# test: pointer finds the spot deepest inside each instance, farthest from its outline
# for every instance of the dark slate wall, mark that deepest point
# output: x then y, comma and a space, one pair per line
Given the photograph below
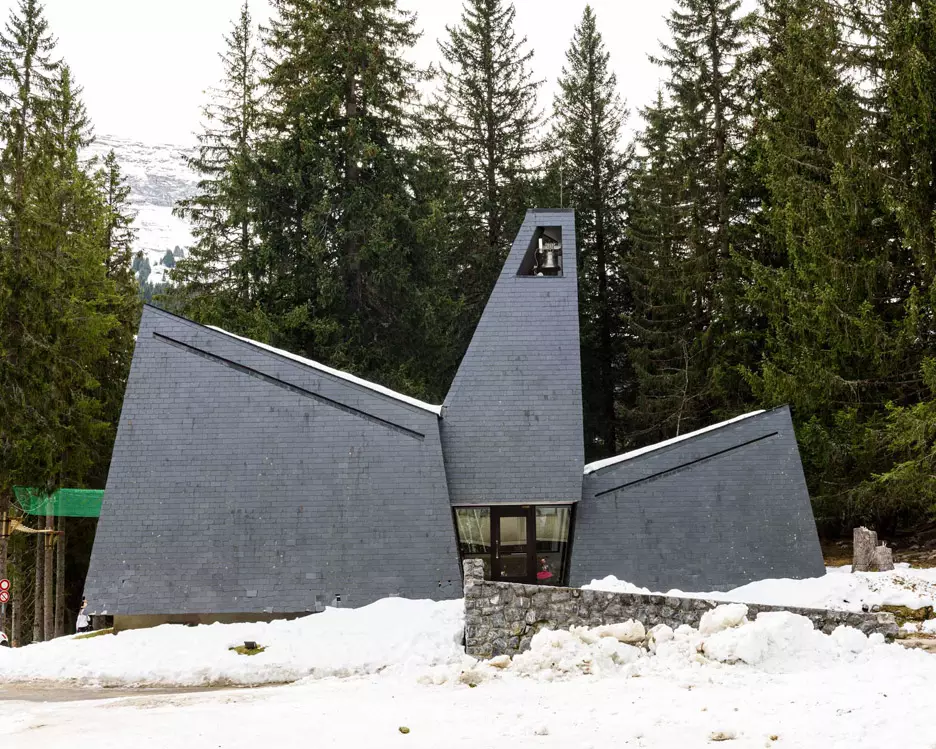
512, 421
724, 521
264, 485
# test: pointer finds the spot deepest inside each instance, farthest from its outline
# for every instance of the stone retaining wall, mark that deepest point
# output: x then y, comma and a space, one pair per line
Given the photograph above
501, 618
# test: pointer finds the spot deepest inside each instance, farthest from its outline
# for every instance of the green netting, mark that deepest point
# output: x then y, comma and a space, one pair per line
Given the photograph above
66, 503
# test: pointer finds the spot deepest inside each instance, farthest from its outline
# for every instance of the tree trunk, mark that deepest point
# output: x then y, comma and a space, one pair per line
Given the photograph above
60, 580
18, 609
608, 431
48, 609
4, 533
864, 543
37, 592
4, 549
16, 627
352, 177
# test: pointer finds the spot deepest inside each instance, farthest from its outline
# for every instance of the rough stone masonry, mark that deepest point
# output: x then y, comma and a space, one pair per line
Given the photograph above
501, 618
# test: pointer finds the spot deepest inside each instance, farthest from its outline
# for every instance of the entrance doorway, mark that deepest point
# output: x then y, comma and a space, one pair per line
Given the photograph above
514, 541
517, 543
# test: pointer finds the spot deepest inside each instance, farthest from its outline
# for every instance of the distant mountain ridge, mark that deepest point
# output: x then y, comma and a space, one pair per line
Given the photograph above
158, 177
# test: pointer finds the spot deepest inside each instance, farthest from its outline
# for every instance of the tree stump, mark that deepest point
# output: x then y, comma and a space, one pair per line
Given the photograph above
864, 542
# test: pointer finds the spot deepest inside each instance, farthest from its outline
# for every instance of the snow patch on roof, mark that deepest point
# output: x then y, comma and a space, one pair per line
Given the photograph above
598, 465
437, 410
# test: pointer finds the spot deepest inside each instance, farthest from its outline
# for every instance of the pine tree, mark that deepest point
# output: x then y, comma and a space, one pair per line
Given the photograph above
485, 119
27, 71
117, 236
58, 337
901, 67
844, 326
688, 310
588, 117
660, 274
119, 233
76, 321
220, 278
335, 191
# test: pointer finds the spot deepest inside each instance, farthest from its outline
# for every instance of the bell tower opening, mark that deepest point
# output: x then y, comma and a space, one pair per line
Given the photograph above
543, 258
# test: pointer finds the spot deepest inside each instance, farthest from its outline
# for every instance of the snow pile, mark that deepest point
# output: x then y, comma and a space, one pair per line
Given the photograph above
780, 642
422, 641
723, 617
393, 635
838, 589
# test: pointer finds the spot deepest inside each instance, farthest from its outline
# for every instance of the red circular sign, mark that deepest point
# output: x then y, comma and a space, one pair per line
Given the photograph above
4, 584
4, 596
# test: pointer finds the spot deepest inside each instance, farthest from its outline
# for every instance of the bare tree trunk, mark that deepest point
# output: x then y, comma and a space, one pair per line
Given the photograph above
49, 581
37, 592
60, 580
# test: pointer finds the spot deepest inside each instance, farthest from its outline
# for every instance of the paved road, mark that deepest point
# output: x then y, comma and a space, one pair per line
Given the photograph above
57, 693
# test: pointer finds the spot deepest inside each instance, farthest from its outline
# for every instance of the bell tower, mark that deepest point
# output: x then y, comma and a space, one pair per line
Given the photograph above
512, 421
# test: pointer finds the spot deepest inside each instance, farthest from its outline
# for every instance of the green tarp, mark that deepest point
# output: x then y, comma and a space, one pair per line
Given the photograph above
65, 503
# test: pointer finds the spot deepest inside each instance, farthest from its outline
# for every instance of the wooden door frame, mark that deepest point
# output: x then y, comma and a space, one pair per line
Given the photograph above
513, 511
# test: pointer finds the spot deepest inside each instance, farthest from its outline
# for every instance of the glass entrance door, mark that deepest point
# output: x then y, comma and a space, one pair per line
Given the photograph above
513, 531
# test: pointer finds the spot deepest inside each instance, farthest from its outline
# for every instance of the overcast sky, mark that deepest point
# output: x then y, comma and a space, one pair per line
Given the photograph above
145, 64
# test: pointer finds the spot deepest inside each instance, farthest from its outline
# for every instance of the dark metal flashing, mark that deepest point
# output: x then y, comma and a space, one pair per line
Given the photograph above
276, 382
686, 465
290, 360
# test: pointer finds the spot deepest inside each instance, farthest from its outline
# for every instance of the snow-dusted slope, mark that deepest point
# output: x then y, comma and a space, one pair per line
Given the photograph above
158, 177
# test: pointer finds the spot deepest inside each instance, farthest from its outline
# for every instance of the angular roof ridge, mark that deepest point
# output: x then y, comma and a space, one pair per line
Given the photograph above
437, 410
599, 464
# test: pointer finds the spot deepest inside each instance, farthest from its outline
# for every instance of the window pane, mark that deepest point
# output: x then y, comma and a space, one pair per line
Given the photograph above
474, 534
513, 546
513, 531
552, 544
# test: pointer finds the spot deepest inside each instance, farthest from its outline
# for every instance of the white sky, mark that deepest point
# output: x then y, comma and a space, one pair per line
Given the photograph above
145, 64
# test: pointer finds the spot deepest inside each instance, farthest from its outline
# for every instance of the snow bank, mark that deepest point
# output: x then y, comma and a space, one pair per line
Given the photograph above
779, 643
422, 641
394, 634
838, 589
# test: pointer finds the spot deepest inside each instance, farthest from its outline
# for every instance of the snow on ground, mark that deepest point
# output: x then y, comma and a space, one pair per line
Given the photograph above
838, 589
393, 634
771, 682
360, 675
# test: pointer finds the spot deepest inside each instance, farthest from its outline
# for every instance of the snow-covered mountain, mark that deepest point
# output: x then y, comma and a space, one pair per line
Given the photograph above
158, 177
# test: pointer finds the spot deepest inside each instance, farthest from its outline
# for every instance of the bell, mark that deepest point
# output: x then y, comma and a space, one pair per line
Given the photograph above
550, 265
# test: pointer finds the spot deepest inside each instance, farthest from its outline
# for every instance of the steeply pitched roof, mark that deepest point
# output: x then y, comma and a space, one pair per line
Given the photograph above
599, 464
336, 373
